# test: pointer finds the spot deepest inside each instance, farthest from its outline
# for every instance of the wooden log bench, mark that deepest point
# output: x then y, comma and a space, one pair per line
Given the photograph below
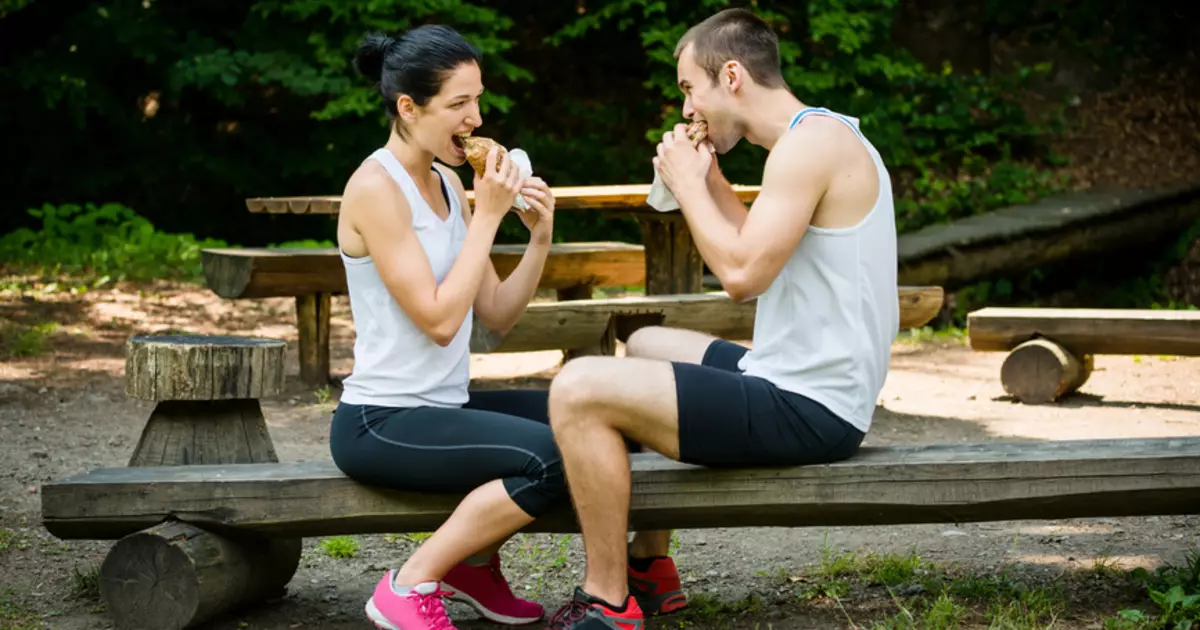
206, 519
1051, 349
313, 275
207, 526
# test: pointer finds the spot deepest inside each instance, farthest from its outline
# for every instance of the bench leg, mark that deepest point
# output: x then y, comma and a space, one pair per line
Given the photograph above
673, 264
1041, 371
175, 575
185, 432
312, 322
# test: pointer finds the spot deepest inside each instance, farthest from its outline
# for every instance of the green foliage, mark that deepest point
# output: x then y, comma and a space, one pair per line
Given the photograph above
1175, 590
340, 546
956, 144
101, 244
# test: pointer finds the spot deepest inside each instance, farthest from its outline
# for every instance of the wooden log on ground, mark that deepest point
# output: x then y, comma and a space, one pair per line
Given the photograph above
1084, 331
174, 576
949, 483
1040, 371
1050, 230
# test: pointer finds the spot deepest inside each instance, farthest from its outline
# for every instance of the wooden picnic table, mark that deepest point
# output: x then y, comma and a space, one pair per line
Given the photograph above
673, 264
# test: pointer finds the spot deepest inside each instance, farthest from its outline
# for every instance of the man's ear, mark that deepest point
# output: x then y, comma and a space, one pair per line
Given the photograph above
732, 75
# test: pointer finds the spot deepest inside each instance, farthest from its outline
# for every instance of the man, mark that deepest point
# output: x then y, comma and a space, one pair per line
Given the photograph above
817, 250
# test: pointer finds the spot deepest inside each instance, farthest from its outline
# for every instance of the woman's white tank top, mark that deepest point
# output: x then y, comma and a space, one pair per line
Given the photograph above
395, 364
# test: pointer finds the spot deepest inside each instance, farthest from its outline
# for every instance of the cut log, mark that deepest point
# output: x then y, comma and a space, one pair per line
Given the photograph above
203, 367
174, 576
1083, 331
1040, 371
950, 483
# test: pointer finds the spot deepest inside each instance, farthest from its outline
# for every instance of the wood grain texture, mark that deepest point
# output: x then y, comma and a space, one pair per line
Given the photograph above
564, 325
949, 483
1085, 331
203, 367
290, 272
1052, 229
312, 323
631, 197
174, 575
187, 432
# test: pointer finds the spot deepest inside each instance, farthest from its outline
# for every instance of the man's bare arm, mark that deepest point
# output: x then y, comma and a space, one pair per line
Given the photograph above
747, 259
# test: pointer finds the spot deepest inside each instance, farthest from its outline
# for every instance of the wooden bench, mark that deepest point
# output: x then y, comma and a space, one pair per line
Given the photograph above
1051, 349
207, 520
313, 275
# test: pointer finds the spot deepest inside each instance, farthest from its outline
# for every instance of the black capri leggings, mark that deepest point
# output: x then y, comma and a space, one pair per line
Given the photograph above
498, 434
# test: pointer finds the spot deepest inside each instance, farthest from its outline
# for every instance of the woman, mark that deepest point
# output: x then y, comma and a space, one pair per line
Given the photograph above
417, 267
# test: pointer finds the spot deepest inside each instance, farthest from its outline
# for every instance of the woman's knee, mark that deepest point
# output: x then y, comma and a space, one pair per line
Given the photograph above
543, 485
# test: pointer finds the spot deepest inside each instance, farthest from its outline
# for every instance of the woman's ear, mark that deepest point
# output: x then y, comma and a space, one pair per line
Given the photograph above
406, 109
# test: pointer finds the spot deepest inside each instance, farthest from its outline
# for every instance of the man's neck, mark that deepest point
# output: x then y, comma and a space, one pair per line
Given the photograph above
768, 116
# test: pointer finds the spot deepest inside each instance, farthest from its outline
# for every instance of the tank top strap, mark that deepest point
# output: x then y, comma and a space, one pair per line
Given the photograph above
808, 111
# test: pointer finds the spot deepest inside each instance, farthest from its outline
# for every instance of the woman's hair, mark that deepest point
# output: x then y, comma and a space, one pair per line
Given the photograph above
415, 63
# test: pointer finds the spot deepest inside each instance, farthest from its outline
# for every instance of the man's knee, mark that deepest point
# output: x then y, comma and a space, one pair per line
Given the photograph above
642, 342
668, 344
573, 387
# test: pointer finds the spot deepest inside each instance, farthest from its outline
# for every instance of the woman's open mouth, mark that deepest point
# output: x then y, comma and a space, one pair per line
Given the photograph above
459, 145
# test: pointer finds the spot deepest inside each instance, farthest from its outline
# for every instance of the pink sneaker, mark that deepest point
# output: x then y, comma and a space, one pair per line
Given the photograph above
419, 609
485, 589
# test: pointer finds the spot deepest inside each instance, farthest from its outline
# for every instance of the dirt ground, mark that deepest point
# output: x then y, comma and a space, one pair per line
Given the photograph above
65, 411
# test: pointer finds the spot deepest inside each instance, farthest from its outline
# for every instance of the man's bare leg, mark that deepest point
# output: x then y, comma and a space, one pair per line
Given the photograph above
664, 344
594, 401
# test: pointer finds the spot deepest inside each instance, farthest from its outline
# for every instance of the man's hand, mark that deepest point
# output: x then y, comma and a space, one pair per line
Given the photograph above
682, 165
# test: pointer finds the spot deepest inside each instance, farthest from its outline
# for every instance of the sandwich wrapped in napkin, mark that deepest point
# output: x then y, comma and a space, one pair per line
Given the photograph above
660, 197
477, 150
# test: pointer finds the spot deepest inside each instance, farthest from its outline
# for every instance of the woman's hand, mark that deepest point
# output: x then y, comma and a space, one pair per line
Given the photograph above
539, 218
496, 191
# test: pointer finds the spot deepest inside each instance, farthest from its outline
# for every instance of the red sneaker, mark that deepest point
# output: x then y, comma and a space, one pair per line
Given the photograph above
657, 589
485, 589
585, 613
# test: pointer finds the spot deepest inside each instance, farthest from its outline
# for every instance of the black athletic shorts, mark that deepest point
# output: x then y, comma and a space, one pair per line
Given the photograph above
729, 419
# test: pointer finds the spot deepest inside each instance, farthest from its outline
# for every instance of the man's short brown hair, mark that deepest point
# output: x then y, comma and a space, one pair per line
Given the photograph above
737, 35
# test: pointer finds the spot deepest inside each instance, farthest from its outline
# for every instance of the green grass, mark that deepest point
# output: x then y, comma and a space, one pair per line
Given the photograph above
18, 340
340, 546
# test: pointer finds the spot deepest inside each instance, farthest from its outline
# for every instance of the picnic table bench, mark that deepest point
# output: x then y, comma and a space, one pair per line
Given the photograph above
207, 520
313, 275
1051, 349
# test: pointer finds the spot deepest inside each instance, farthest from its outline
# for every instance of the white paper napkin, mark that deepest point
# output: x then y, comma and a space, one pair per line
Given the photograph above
521, 159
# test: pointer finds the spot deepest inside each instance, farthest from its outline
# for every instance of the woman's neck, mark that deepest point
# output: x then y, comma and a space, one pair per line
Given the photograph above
415, 159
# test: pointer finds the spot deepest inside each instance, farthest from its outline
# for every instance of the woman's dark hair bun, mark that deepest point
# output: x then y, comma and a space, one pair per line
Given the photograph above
368, 59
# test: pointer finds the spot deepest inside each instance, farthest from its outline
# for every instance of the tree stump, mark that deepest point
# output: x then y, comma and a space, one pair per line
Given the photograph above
207, 390
1040, 371
175, 576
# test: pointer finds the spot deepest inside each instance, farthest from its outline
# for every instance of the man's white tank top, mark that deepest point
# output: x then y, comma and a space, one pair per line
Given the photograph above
825, 326
395, 364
